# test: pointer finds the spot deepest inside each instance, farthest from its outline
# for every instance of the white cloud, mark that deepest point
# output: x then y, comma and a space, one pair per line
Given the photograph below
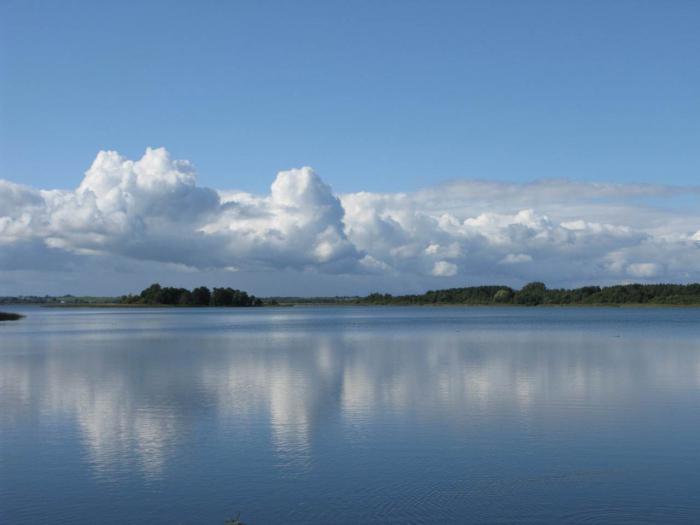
643, 269
516, 258
444, 269
152, 210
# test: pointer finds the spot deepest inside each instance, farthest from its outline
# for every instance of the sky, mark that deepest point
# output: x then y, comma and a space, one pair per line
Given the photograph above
296, 148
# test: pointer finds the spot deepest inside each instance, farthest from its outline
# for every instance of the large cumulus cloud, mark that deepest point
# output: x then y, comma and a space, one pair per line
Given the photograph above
152, 210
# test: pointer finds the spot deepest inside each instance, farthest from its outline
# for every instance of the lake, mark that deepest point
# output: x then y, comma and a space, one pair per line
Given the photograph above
350, 415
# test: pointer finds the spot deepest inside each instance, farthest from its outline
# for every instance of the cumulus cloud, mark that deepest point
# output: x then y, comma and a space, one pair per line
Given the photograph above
152, 210
444, 269
516, 258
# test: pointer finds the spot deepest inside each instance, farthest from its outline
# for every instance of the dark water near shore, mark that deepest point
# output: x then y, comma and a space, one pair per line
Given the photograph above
350, 415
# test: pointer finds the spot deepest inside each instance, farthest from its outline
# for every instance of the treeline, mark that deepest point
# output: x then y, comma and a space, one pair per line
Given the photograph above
202, 296
537, 293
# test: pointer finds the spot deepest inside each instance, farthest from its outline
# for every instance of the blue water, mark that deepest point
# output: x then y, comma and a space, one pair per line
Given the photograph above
350, 415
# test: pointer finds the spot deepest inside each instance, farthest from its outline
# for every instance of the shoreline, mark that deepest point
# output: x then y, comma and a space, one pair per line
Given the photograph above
345, 305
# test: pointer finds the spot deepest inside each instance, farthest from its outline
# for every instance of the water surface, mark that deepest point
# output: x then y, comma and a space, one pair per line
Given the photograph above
350, 415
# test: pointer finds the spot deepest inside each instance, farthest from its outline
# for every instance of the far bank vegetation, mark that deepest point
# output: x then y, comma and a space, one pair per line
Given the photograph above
202, 296
537, 293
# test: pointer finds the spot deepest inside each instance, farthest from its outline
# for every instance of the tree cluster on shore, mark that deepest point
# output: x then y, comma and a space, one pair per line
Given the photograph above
537, 293
202, 296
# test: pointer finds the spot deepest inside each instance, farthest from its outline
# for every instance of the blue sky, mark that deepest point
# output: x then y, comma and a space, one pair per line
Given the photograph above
452, 143
376, 96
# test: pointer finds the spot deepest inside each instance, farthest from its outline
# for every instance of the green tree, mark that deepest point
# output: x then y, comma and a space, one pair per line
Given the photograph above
504, 295
201, 296
531, 294
222, 297
151, 295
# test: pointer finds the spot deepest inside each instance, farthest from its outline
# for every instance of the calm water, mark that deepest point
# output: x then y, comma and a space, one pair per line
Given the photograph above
350, 415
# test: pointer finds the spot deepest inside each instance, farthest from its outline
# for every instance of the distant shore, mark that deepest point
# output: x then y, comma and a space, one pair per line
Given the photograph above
139, 305
532, 294
374, 305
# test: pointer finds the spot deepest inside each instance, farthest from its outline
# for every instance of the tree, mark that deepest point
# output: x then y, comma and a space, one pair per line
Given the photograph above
531, 294
201, 296
185, 298
222, 297
171, 295
504, 295
151, 295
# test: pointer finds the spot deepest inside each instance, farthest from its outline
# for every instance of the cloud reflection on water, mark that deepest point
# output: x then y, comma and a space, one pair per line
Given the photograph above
139, 399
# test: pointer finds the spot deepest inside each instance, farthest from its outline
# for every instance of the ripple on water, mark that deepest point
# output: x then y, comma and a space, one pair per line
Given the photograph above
626, 514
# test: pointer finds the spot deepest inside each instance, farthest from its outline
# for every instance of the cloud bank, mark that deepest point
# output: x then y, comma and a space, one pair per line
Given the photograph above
465, 231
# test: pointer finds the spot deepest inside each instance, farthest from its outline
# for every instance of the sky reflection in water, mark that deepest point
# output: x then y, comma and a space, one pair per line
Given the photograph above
345, 414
